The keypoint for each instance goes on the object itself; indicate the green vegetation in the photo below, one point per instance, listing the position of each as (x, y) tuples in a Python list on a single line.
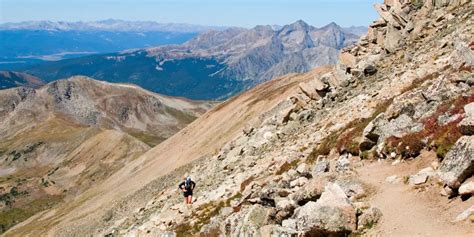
[(13, 216)]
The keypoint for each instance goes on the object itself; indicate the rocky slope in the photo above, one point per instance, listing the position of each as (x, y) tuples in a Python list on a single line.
[(329, 152), (9, 79), (215, 64), (60, 139)]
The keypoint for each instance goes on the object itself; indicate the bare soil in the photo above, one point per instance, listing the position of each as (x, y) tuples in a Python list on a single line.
[(413, 211)]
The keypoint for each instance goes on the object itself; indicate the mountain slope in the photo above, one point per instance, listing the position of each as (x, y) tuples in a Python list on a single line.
[(61, 139), (9, 79), (284, 158), (215, 64)]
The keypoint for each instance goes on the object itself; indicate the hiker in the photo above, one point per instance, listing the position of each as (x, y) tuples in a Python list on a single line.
[(187, 186)]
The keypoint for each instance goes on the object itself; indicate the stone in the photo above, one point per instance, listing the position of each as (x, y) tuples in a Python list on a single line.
[(276, 231), (285, 205), (314, 89), (370, 70), (466, 126), (289, 223), (393, 179), (369, 218), (301, 181), (310, 192), (469, 110), (321, 166), (468, 213), (393, 39), (304, 170), (466, 188), (447, 191), (353, 188), (458, 164), (421, 177), (331, 215), (347, 59), (343, 163)]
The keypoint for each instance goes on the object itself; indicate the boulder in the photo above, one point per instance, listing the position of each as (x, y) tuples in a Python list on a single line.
[(369, 218), (353, 188), (314, 89), (393, 39), (310, 192), (466, 188), (332, 214), (458, 164), (347, 59)]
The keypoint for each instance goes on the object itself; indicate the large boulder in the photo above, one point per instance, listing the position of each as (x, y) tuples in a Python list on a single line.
[(310, 192), (332, 214), (458, 165)]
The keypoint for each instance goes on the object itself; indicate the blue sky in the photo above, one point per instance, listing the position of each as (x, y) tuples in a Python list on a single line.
[(246, 13)]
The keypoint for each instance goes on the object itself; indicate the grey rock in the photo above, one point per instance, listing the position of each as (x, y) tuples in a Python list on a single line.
[(466, 126), (458, 164), (320, 167), (466, 188), (369, 218), (332, 214)]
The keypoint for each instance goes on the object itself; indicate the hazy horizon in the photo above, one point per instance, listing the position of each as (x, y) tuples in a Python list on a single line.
[(243, 13)]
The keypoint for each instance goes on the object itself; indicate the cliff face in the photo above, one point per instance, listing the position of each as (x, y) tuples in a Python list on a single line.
[(371, 141)]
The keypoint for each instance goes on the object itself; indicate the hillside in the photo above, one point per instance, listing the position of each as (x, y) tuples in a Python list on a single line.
[(379, 144), (213, 65), (60, 139), (9, 79)]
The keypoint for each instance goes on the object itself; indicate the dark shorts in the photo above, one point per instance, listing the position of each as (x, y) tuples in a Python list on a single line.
[(188, 193)]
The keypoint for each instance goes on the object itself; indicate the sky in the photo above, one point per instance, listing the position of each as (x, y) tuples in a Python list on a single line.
[(244, 13)]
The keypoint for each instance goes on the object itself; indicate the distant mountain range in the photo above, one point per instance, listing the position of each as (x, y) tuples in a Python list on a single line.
[(36, 41), (215, 64), (112, 25)]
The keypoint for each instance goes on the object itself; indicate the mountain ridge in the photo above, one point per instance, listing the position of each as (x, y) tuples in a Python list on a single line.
[(215, 64)]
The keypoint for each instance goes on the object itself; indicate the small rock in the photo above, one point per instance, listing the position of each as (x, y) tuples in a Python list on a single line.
[(321, 166), (369, 218), (466, 126), (466, 188), (447, 191), (421, 177), (465, 214), (301, 181), (393, 179), (343, 164)]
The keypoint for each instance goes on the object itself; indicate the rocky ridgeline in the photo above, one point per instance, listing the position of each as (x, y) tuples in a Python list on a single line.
[(405, 87)]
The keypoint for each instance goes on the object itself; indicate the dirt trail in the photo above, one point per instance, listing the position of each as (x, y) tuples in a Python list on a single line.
[(409, 211)]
